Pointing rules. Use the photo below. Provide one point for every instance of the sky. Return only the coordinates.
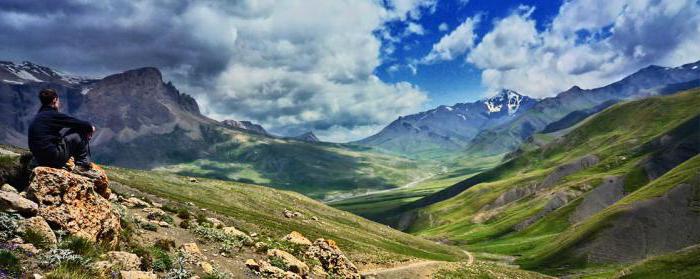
(344, 69)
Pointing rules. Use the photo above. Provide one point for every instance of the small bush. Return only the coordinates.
(9, 264)
(80, 246)
(161, 260)
(65, 271)
(183, 213)
(202, 220)
(179, 271)
(185, 224)
(278, 262)
(227, 243)
(164, 244)
(62, 257)
(150, 227)
(145, 255)
(36, 238)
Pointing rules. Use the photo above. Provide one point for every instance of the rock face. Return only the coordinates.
(297, 238)
(609, 192)
(332, 259)
(124, 260)
(292, 263)
(69, 202)
(646, 228)
(569, 168)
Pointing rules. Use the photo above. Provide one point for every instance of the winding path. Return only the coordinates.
(414, 266)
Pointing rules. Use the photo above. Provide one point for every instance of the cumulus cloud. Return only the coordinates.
(454, 44)
(279, 63)
(443, 27)
(589, 43)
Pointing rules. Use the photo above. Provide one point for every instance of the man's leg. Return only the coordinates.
(77, 146)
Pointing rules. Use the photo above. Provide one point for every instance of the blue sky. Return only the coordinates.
(451, 81)
(344, 69)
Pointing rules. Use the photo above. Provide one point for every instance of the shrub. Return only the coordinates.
(62, 257)
(161, 260)
(278, 262)
(36, 238)
(227, 243)
(183, 213)
(9, 264)
(8, 226)
(71, 272)
(80, 246)
(150, 227)
(144, 254)
(202, 220)
(179, 271)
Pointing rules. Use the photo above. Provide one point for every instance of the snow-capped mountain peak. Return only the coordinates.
(27, 72)
(504, 98)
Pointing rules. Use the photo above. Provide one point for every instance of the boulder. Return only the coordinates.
(137, 275)
(135, 202)
(232, 231)
(124, 260)
(153, 213)
(103, 268)
(252, 264)
(12, 201)
(270, 271)
(28, 247)
(69, 202)
(8, 188)
(206, 267)
(332, 259)
(38, 225)
(297, 238)
(292, 263)
(215, 222)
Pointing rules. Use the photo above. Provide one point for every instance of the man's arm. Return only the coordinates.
(72, 122)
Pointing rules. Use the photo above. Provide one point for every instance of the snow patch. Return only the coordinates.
(12, 81)
(694, 67)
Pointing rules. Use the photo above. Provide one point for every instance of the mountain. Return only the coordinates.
(449, 127)
(145, 122)
(615, 190)
(652, 80)
(307, 137)
(246, 126)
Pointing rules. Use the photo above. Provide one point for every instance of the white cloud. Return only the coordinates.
(414, 28)
(589, 43)
(443, 27)
(454, 44)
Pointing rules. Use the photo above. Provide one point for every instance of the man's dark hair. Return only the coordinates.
(47, 96)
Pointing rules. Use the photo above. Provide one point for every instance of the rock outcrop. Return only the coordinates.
(647, 228)
(609, 192)
(332, 259)
(70, 202)
(12, 201)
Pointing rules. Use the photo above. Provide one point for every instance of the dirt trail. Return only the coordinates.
(421, 269)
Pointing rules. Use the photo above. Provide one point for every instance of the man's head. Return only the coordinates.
(49, 98)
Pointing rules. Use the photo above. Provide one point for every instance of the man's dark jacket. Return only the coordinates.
(45, 134)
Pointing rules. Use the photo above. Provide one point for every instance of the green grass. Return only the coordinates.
(681, 264)
(259, 209)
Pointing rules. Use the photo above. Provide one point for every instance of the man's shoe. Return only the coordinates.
(87, 171)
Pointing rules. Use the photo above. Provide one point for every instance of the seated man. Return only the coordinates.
(54, 137)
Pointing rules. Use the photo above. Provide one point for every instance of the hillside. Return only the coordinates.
(545, 204)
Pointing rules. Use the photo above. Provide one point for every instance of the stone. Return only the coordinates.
(69, 202)
(260, 246)
(124, 260)
(163, 224)
(270, 271)
(11, 201)
(153, 213)
(8, 188)
(165, 243)
(292, 263)
(103, 268)
(135, 202)
(193, 180)
(206, 267)
(215, 222)
(297, 238)
(101, 183)
(287, 213)
(38, 225)
(157, 205)
(252, 264)
(28, 247)
(314, 218)
(137, 275)
(291, 275)
(318, 271)
(191, 251)
(232, 231)
(332, 259)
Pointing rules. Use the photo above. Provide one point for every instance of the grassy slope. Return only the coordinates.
(678, 265)
(375, 206)
(312, 169)
(259, 209)
(612, 135)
